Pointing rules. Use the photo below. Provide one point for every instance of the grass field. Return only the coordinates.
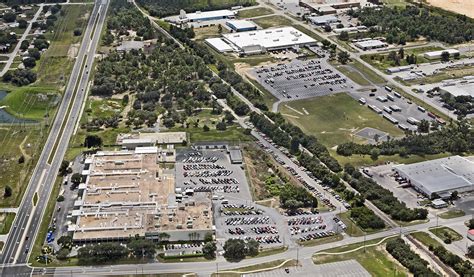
(29, 102)
(261, 267)
(6, 221)
(56, 63)
(338, 110)
(446, 233)
(273, 21)
(365, 160)
(254, 12)
(103, 108)
(375, 259)
(425, 239)
(320, 241)
(452, 214)
(353, 74)
(368, 73)
(17, 141)
(208, 32)
(353, 229)
(204, 117)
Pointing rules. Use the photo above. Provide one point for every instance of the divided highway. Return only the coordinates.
(28, 220)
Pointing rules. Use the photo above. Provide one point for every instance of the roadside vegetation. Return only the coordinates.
(162, 8)
(446, 234)
(460, 266)
(373, 257)
(456, 137)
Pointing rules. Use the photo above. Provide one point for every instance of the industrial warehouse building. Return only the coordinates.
(323, 20)
(328, 6)
(370, 44)
(241, 25)
(131, 141)
(260, 41)
(461, 87)
(199, 16)
(437, 54)
(131, 193)
(439, 177)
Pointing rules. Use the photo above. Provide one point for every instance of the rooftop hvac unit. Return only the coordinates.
(275, 40)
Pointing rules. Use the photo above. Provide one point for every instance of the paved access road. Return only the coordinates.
(27, 222)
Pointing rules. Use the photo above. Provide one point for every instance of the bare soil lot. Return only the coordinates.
(465, 7)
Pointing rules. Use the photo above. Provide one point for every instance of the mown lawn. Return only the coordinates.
(334, 118)
(254, 12)
(452, 214)
(30, 102)
(6, 221)
(273, 21)
(375, 259)
(445, 233)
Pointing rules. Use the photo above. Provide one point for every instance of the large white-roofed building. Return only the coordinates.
(433, 55)
(370, 44)
(440, 176)
(458, 88)
(259, 41)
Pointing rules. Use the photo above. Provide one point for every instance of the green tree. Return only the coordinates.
(343, 57)
(235, 250)
(374, 154)
(7, 192)
(76, 178)
(344, 35)
(221, 126)
(445, 56)
(209, 250)
(64, 168)
(252, 248)
(92, 141)
(424, 126)
(142, 248)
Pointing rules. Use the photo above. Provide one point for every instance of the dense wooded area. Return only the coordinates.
(407, 24)
(163, 8)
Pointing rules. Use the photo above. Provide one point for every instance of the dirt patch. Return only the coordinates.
(73, 50)
(22, 149)
(465, 7)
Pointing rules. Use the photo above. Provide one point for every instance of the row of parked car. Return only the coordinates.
(247, 220)
(207, 173)
(317, 235)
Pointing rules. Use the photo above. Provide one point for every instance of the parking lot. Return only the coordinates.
(393, 107)
(305, 225)
(302, 79)
(210, 171)
(385, 177)
(244, 220)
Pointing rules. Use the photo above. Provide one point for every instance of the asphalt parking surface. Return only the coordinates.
(211, 170)
(300, 79)
(406, 110)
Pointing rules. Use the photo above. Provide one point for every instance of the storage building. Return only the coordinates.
(241, 25)
(439, 177)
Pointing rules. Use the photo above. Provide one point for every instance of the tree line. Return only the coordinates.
(161, 8)
(412, 22)
(409, 259)
(457, 137)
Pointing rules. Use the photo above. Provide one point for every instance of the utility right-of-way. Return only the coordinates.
(27, 222)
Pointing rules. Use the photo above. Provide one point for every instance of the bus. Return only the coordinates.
(387, 88)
